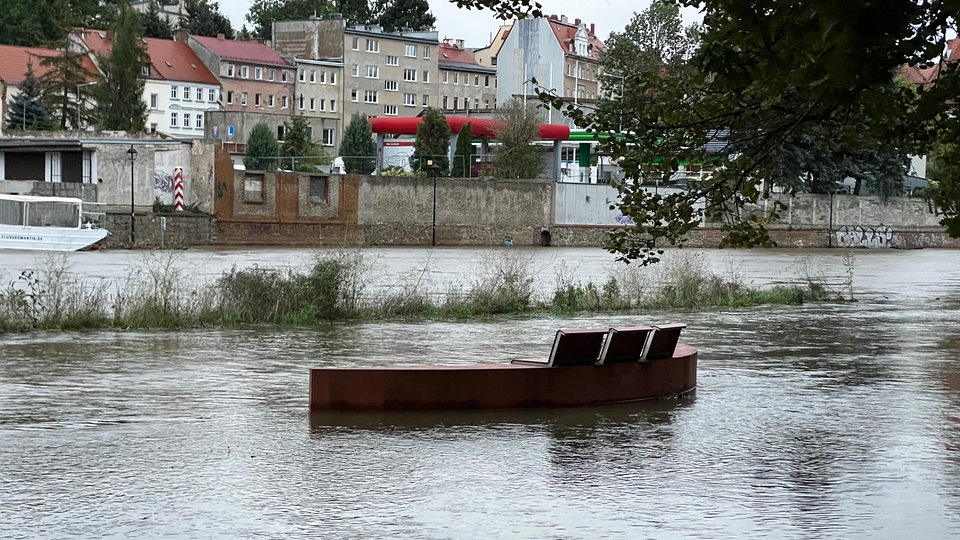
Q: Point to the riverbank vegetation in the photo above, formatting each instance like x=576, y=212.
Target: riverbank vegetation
x=341, y=285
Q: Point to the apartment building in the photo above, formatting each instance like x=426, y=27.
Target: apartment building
x=319, y=99
x=465, y=86
x=257, y=86
x=384, y=73
x=562, y=56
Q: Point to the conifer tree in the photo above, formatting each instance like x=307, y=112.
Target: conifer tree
x=358, y=151
x=156, y=25
x=262, y=149
x=27, y=110
x=461, y=158
x=63, y=89
x=298, y=144
x=119, y=93
x=433, y=144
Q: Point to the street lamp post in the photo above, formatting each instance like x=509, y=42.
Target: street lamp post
x=433, y=238
x=79, y=86
x=132, y=154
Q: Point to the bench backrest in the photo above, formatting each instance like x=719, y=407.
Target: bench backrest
x=625, y=344
x=664, y=340
x=576, y=347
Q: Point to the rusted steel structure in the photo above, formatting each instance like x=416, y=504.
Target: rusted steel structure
x=501, y=386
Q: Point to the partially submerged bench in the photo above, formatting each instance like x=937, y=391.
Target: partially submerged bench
x=577, y=347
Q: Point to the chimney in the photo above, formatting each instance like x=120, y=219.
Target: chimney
x=553, y=17
x=593, y=31
x=563, y=18
x=459, y=43
x=577, y=21
x=221, y=37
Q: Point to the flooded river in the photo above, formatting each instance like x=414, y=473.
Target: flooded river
x=823, y=420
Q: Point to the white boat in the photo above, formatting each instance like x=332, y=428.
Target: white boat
x=49, y=223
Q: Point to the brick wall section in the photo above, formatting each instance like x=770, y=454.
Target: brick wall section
x=182, y=230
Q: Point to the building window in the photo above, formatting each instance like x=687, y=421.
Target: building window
x=284, y=102
x=302, y=75
x=390, y=86
x=253, y=188
x=426, y=100
x=333, y=105
x=212, y=95
x=300, y=102
x=493, y=60
x=390, y=110
x=231, y=70
x=355, y=70
x=323, y=105
x=329, y=136
x=258, y=73
x=243, y=99
x=313, y=76
x=410, y=50
x=373, y=45
x=373, y=72
x=410, y=75
x=356, y=44
x=173, y=119
x=145, y=70
x=456, y=77
x=444, y=102
x=456, y=102
x=272, y=75
x=173, y=92
x=244, y=72
x=370, y=96
x=280, y=132
x=154, y=100
x=153, y=127
x=186, y=120
x=486, y=81
x=392, y=60
x=256, y=99
x=313, y=104
x=426, y=75
x=283, y=76
x=270, y=101
x=230, y=97
x=445, y=76
x=426, y=52
x=323, y=77
x=318, y=189
x=476, y=80
x=466, y=79
x=353, y=95
x=333, y=77
x=199, y=94
x=186, y=93
x=409, y=100
x=199, y=124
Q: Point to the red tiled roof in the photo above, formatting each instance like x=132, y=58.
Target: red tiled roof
x=252, y=52
x=13, y=62
x=566, y=33
x=929, y=75
x=451, y=53
x=175, y=61
x=170, y=60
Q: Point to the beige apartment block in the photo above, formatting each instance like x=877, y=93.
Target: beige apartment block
x=384, y=73
x=318, y=97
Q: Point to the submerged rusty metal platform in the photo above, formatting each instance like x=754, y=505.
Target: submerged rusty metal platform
x=500, y=386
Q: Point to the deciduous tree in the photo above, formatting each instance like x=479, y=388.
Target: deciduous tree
x=262, y=13
x=517, y=156
x=406, y=14
x=205, y=19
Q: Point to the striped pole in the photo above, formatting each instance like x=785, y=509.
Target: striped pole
x=178, y=188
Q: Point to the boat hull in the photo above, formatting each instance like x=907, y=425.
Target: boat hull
x=49, y=238
x=500, y=386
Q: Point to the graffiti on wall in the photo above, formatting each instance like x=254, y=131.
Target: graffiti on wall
x=624, y=220
x=869, y=237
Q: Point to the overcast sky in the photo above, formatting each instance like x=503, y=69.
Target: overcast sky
x=477, y=27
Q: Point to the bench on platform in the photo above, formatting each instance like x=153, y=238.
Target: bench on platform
x=664, y=341
x=625, y=344
x=573, y=348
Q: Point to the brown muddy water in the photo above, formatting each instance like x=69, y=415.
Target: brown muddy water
x=816, y=421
